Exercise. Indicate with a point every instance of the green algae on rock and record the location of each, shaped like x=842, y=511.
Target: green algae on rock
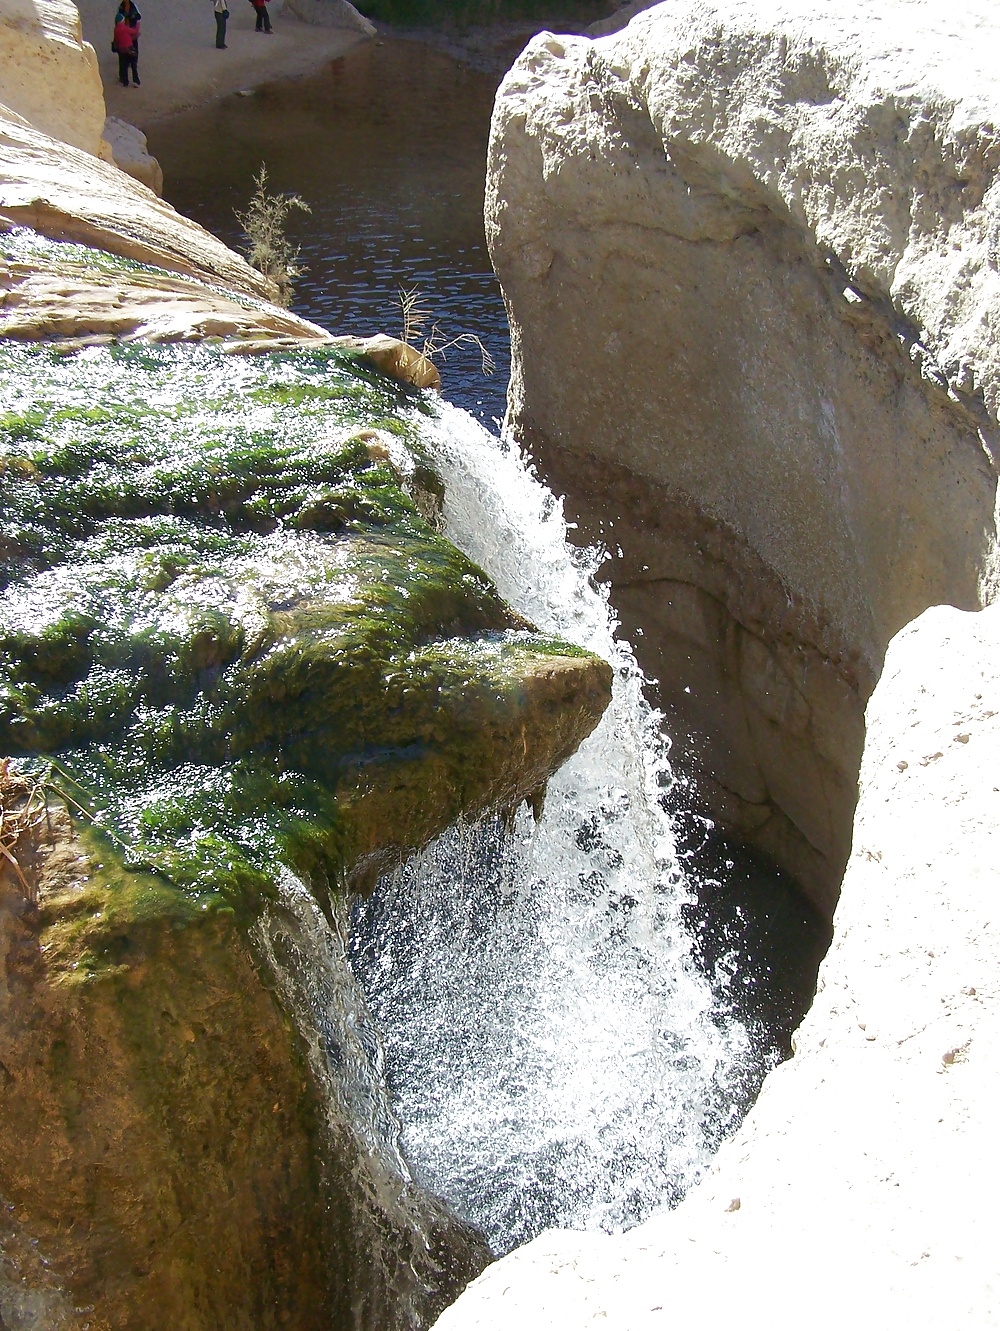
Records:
x=225, y=616
x=168, y=1159
x=232, y=637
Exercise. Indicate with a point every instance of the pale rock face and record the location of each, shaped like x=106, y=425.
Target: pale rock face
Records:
x=48, y=74
x=749, y=253
x=861, y=1189
x=745, y=215
x=130, y=154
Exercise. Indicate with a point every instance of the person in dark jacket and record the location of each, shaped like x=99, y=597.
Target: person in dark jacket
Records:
x=263, y=17
x=221, y=15
x=126, y=42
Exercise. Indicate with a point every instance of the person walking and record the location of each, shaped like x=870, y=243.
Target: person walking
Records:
x=263, y=17
x=221, y=15
x=126, y=42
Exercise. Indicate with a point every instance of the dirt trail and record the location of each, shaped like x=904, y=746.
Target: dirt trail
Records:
x=179, y=65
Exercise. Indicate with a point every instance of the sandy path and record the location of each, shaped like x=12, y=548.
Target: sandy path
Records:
x=179, y=65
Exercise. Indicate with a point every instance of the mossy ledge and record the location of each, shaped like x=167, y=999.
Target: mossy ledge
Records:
x=229, y=643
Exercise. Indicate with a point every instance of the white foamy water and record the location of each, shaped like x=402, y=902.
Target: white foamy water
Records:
x=400, y=1257
x=551, y=1049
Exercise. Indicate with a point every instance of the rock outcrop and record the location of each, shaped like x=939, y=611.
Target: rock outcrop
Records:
x=750, y=261
x=48, y=73
x=234, y=647
x=221, y=580
x=862, y=1185
x=332, y=14
x=131, y=153
x=749, y=254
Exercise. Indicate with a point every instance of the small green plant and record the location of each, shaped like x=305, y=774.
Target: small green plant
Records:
x=268, y=248
x=416, y=318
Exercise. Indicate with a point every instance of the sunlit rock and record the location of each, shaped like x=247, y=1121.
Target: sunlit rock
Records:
x=870, y=1152
x=48, y=73
x=775, y=226
x=332, y=14
x=128, y=148
x=749, y=255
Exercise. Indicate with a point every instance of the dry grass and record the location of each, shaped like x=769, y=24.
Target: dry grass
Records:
x=23, y=807
x=415, y=320
x=268, y=248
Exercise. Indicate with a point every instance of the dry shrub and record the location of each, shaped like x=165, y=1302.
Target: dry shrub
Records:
x=416, y=318
x=268, y=248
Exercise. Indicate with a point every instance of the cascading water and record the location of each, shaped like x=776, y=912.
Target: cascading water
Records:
x=554, y=1054
x=403, y=1250
x=514, y=1022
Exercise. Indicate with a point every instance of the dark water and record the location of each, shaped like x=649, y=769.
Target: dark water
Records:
x=388, y=147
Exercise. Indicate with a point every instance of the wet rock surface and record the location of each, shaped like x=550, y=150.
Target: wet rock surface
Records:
x=234, y=646
x=237, y=655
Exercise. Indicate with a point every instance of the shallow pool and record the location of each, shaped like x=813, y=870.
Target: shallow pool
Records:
x=388, y=147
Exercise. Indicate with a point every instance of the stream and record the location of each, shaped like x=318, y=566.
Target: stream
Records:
x=560, y=1020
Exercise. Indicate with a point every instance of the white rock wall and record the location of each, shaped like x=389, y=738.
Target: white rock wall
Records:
x=749, y=256
x=861, y=1190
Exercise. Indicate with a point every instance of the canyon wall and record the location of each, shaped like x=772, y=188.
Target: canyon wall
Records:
x=751, y=261
x=749, y=255
x=860, y=1190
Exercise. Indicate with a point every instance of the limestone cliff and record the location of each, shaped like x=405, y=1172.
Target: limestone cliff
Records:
x=749, y=253
x=750, y=262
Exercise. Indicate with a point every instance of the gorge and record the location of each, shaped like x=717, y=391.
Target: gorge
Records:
x=275, y=1052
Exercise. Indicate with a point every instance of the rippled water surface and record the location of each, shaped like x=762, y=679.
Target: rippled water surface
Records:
x=388, y=147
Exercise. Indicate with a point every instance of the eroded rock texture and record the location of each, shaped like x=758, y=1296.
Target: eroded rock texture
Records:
x=749, y=255
x=48, y=74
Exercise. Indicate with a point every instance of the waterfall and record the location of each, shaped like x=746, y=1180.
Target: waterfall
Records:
x=402, y=1257
x=553, y=1054
x=514, y=1022
x=526, y=1034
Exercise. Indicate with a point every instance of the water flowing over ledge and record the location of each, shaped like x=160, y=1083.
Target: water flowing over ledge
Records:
x=555, y=1054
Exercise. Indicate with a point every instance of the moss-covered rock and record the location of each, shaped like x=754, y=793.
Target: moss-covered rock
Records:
x=164, y=1158
x=231, y=640
x=229, y=623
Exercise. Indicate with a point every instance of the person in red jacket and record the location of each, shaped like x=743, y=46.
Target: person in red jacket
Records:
x=263, y=17
x=126, y=42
